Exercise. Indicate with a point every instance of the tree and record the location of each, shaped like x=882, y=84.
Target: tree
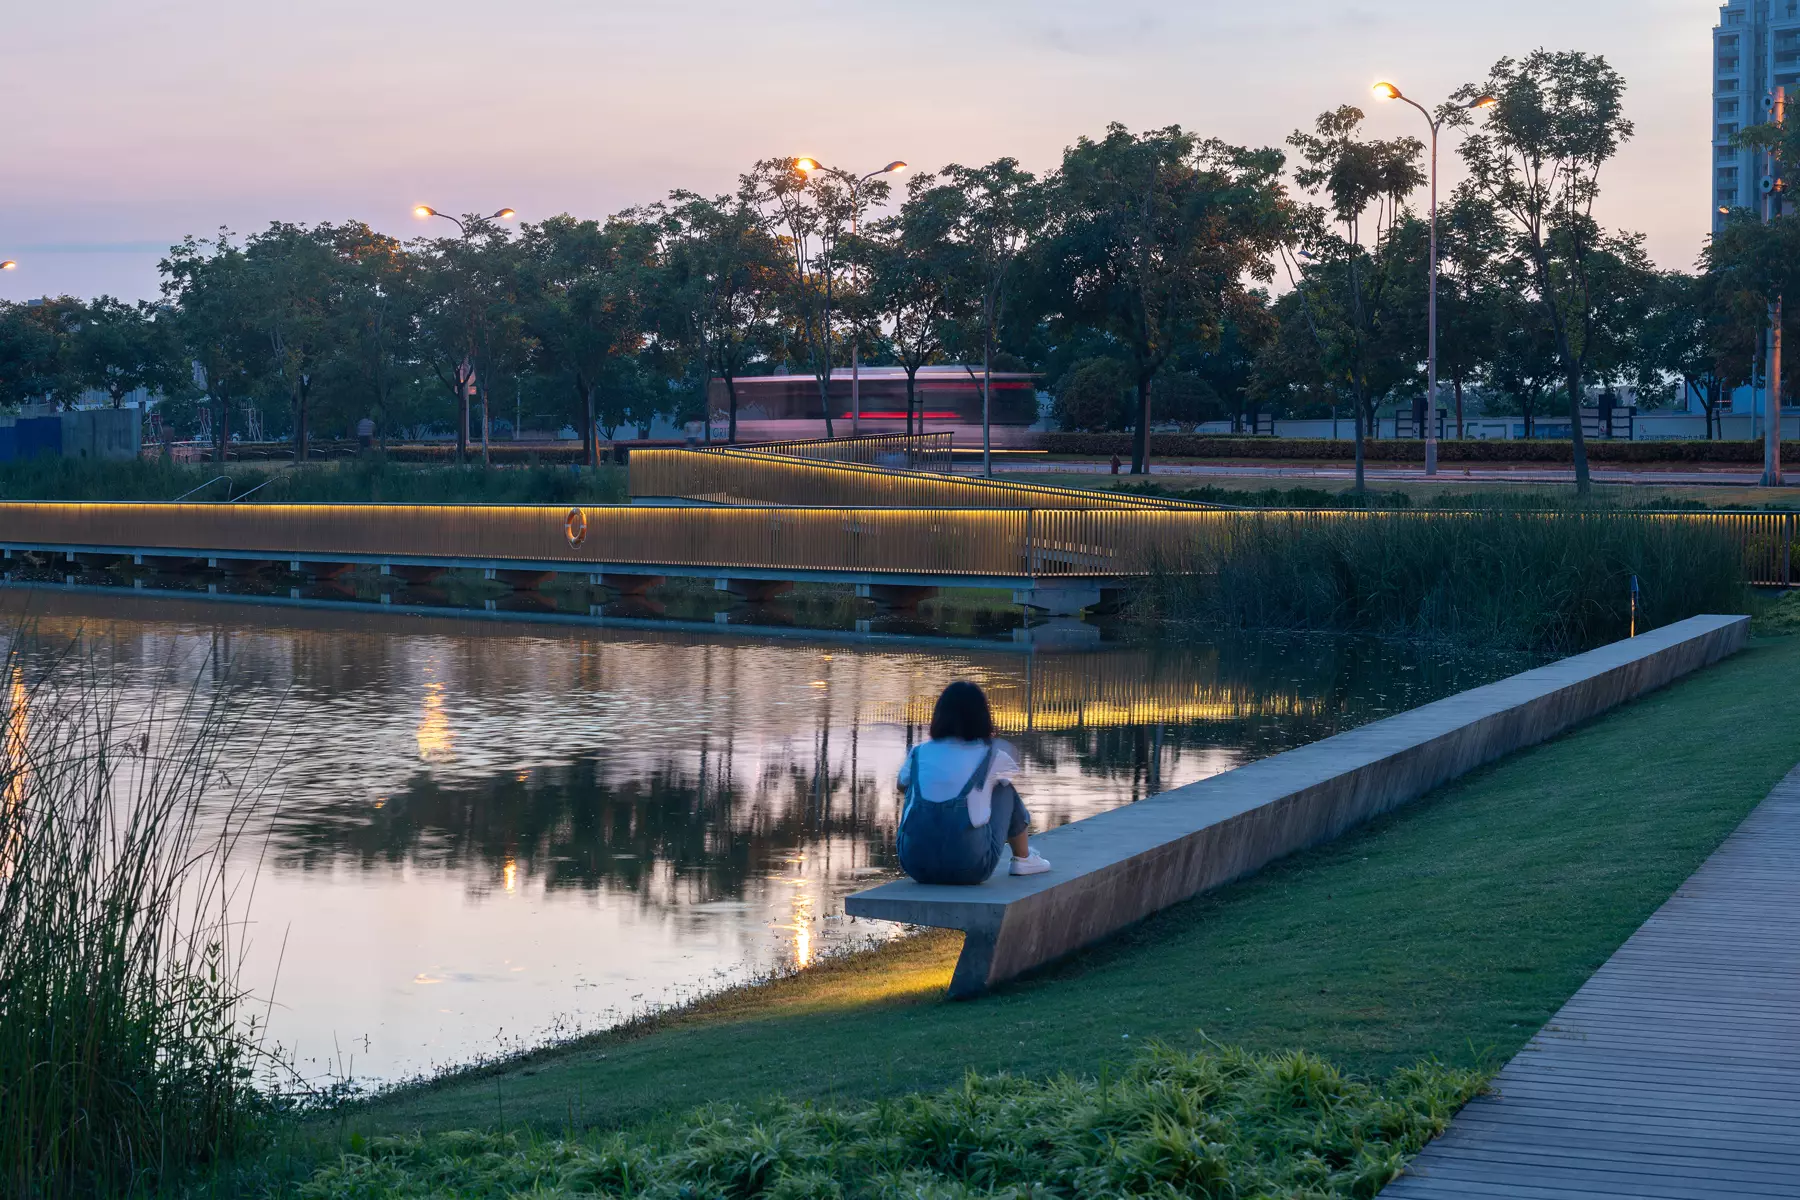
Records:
x=1362, y=262
x=809, y=214
x=209, y=283
x=470, y=318
x=1694, y=334
x=1154, y=239
x=1756, y=267
x=1472, y=244
x=1095, y=394
x=374, y=321
x=1559, y=118
x=915, y=267
x=295, y=283
x=35, y=357
x=583, y=302
x=118, y=348
x=993, y=213
x=718, y=289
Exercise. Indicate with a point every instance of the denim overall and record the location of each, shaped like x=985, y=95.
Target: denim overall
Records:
x=937, y=843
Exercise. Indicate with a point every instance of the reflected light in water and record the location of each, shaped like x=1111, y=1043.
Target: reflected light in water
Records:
x=436, y=742
x=13, y=736
x=509, y=875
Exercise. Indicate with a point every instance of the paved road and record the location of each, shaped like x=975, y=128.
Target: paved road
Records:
x=1672, y=1073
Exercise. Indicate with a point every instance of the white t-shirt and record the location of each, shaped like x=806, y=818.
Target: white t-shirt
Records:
x=945, y=764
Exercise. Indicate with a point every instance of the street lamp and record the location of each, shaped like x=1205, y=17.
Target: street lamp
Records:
x=1388, y=91
x=425, y=212
x=9, y=265
x=807, y=166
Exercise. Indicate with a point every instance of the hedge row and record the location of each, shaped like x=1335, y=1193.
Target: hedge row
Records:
x=1193, y=445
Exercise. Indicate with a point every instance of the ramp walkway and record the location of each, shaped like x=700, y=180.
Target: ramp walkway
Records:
x=1671, y=1074
x=1116, y=868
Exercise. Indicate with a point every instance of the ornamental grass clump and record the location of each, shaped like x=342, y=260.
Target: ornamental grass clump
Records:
x=123, y=1059
x=1551, y=582
x=1222, y=1123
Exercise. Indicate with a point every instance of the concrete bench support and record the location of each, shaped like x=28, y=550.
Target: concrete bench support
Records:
x=1114, y=869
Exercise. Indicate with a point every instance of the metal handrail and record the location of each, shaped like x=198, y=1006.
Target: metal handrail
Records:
x=259, y=487
x=202, y=488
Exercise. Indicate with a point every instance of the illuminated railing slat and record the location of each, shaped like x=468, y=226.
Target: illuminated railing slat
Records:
x=998, y=543
x=747, y=475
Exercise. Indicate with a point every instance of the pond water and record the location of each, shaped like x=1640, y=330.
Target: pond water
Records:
x=493, y=832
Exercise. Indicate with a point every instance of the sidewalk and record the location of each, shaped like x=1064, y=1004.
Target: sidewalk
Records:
x=1447, y=474
x=1671, y=1073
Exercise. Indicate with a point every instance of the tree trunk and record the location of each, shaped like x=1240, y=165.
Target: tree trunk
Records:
x=731, y=408
x=911, y=376
x=462, y=417
x=987, y=392
x=1457, y=384
x=1577, y=443
x=590, y=451
x=300, y=430
x=1357, y=426
x=1140, y=442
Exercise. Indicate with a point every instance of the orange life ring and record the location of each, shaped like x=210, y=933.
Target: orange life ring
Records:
x=575, y=526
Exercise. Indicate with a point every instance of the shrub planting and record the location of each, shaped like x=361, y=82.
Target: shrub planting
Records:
x=364, y=481
x=1405, y=450
x=1222, y=1122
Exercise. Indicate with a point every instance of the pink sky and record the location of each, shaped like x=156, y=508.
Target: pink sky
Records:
x=133, y=122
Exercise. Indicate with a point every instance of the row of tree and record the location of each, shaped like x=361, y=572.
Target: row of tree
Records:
x=1139, y=278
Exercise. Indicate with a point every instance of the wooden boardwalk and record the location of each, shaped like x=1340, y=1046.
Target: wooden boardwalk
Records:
x=1676, y=1071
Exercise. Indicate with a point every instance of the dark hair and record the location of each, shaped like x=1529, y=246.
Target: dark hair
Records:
x=962, y=712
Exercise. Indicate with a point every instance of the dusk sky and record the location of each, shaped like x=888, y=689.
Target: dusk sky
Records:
x=132, y=123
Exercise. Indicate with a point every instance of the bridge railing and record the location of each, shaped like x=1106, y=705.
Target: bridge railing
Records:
x=993, y=543
x=900, y=451
x=743, y=476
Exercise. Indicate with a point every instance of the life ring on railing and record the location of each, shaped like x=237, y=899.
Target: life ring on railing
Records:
x=575, y=527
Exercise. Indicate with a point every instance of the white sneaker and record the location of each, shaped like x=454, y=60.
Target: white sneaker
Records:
x=1032, y=864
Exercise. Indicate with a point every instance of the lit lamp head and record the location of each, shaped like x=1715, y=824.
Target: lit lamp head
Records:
x=806, y=166
x=1484, y=102
x=423, y=211
x=9, y=265
x=1387, y=91
x=505, y=214
x=893, y=168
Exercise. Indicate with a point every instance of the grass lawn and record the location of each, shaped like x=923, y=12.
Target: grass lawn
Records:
x=1452, y=929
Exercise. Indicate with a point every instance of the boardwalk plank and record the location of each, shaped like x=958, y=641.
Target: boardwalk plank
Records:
x=1669, y=1075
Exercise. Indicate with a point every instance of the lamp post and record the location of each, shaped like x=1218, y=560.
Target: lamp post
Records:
x=1771, y=208
x=810, y=165
x=425, y=212
x=1388, y=91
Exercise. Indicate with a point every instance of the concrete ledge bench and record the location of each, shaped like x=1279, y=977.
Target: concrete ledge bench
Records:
x=1116, y=868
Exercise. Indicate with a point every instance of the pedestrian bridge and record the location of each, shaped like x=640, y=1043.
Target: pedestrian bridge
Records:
x=754, y=522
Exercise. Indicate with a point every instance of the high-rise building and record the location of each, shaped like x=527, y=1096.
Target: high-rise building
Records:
x=1756, y=49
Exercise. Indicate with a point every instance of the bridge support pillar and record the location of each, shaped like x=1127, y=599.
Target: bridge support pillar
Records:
x=626, y=585
x=753, y=589
x=1060, y=600
x=894, y=595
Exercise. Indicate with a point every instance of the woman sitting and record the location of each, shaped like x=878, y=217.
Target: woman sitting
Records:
x=961, y=807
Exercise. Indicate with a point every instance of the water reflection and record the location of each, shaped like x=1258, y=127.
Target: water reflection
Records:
x=489, y=830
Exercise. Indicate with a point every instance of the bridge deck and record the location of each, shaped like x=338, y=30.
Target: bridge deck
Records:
x=1671, y=1073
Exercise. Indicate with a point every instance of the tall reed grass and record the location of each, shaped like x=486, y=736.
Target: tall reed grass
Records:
x=125, y=1054
x=1548, y=582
